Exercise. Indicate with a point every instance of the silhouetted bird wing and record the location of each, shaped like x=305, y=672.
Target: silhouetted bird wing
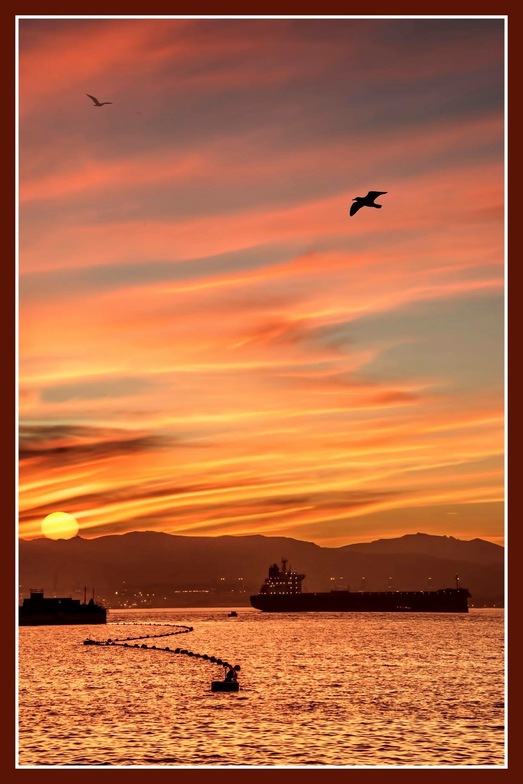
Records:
x=375, y=194
x=96, y=101
x=355, y=206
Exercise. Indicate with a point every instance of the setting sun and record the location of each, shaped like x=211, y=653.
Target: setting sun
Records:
x=59, y=525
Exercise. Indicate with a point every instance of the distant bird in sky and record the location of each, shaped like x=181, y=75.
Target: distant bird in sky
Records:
x=366, y=201
x=96, y=101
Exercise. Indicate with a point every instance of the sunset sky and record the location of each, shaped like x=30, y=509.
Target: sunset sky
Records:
x=208, y=343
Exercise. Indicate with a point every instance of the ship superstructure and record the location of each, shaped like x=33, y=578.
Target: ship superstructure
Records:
x=282, y=582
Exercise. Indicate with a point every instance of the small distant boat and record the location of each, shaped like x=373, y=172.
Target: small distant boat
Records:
x=38, y=610
x=233, y=614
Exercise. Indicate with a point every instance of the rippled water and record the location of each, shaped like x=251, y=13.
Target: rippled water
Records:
x=344, y=690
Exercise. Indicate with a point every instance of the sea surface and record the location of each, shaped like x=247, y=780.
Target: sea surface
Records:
x=361, y=690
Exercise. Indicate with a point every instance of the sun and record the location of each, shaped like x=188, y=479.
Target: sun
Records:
x=59, y=525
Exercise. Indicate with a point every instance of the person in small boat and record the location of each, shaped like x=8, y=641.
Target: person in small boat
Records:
x=231, y=675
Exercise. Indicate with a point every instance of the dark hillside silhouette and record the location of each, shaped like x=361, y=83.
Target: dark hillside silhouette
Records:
x=207, y=571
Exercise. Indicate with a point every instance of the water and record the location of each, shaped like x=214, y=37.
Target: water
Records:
x=317, y=690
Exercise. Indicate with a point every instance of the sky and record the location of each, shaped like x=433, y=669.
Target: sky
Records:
x=208, y=343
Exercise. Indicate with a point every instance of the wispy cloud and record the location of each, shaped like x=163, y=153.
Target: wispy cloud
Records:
x=63, y=444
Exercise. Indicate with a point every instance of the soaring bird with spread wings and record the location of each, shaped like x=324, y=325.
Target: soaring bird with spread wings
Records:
x=366, y=201
x=96, y=101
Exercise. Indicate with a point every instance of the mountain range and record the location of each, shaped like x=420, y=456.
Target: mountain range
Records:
x=146, y=568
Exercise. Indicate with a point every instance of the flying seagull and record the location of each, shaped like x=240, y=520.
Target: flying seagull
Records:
x=96, y=101
x=366, y=201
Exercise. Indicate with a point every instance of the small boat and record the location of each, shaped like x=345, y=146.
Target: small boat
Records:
x=225, y=686
x=230, y=681
x=233, y=614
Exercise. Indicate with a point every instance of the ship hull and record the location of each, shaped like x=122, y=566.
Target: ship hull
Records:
x=445, y=600
x=56, y=611
x=57, y=619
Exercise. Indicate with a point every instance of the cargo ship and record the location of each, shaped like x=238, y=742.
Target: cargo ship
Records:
x=281, y=592
x=40, y=611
